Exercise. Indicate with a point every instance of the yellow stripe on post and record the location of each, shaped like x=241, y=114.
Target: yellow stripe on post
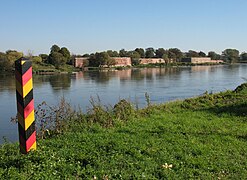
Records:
x=28, y=121
x=27, y=87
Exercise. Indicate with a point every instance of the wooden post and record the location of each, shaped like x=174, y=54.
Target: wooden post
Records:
x=25, y=105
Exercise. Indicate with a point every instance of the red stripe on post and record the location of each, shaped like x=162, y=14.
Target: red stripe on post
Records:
x=27, y=76
x=28, y=109
x=27, y=144
x=31, y=141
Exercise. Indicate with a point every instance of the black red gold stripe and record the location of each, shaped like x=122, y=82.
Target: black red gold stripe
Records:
x=25, y=105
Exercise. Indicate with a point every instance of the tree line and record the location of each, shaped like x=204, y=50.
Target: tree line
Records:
x=61, y=56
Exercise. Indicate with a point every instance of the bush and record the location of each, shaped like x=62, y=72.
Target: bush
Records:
x=123, y=110
x=241, y=88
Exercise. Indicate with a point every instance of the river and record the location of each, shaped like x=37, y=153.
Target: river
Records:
x=162, y=84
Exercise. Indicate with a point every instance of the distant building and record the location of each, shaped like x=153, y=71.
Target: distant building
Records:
x=79, y=62
x=151, y=60
x=122, y=61
x=200, y=60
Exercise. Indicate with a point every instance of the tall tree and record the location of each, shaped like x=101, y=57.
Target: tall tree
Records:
x=192, y=53
x=149, y=53
x=101, y=58
x=66, y=54
x=175, y=52
x=172, y=55
x=202, y=54
x=59, y=56
x=123, y=53
x=57, y=59
x=160, y=52
x=213, y=55
x=231, y=55
x=55, y=48
x=141, y=52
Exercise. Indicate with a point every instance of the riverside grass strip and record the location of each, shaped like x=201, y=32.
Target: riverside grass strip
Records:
x=25, y=105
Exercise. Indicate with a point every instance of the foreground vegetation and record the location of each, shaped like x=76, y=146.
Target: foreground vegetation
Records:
x=199, y=138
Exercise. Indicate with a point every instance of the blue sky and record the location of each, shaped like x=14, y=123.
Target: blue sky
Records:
x=85, y=26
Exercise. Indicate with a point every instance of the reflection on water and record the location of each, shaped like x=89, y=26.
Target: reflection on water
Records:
x=58, y=82
x=7, y=82
x=162, y=84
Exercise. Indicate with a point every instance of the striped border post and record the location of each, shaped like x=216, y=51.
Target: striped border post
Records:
x=25, y=105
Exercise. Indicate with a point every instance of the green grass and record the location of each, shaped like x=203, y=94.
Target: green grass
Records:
x=200, y=138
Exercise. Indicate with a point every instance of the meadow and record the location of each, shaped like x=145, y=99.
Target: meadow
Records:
x=198, y=138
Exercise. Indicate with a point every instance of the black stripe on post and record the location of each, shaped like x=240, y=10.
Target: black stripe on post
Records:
x=26, y=134
x=23, y=68
x=24, y=101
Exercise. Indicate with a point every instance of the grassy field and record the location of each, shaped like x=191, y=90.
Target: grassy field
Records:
x=198, y=138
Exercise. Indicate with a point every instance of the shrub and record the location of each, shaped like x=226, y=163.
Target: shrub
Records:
x=241, y=88
x=123, y=110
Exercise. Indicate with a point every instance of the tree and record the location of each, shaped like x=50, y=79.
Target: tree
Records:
x=110, y=62
x=12, y=56
x=58, y=56
x=192, y=53
x=243, y=56
x=123, y=53
x=171, y=55
x=85, y=55
x=36, y=59
x=66, y=54
x=166, y=58
x=101, y=58
x=202, y=54
x=92, y=60
x=55, y=48
x=44, y=58
x=112, y=53
x=141, y=52
x=149, y=53
x=160, y=52
x=134, y=55
x=57, y=59
x=85, y=62
x=175, y=53
x=213, y=55
x=231, y=55
x=5, y=64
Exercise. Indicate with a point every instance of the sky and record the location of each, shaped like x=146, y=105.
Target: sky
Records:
x=86, y=26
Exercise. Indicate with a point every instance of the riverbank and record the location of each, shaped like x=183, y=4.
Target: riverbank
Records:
x=202, y=137
x=47, y=69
